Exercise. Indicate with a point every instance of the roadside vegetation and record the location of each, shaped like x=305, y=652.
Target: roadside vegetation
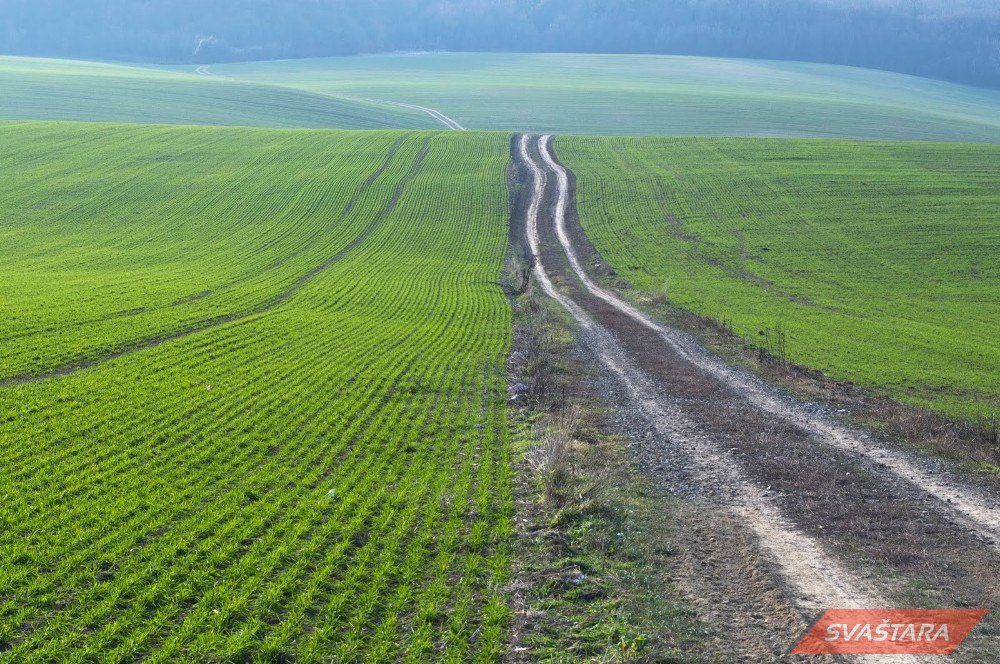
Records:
x=595, y=552
x=322, y=473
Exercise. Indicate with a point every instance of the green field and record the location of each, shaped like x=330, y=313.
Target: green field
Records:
x=578, y=94
x=39, y=89
x=878, y=259
x=291, y=441
x=252, y=378
x=665, y=95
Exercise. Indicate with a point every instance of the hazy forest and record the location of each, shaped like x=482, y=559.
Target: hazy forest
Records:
x=909, y=36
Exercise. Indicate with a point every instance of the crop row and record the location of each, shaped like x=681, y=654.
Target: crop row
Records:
x=325, y=478
x=110, y=255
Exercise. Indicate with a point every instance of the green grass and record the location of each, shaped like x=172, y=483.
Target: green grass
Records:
x=656, y=95
x=596, y=540
x=877, y=259
x=39, y=89
x=601, y=571
x=579, y=94
x=322, y=471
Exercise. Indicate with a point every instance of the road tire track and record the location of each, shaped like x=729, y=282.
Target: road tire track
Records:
x=448, y=122
x=814, y=579
x=977, y=512
x=437, y=115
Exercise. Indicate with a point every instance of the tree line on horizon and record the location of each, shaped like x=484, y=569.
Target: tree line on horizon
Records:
x=955, y=40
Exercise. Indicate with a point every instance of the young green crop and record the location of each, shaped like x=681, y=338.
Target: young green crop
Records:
x=320, y=469
x=650, y=94
x=152, y=232
x=44, y=89
x=540, y=92
x=877, y=259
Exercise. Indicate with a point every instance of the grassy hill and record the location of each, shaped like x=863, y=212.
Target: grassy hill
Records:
x=578, y=94
x=665, y=95
x=39, y=89
x=253, y=379
x=291, y=440
x=876, y=259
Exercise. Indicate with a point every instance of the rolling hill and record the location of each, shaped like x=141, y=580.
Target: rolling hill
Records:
x=254, y=403
x=577, y=94
x=651, y=95
x=40, y=89
x=258, y=382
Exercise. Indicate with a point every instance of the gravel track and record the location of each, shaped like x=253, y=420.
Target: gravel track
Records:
x=978, y=512
x=831, y=516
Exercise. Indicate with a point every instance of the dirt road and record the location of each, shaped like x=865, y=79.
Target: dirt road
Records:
x=437, y=115
x=203, y=70
x=836, y=518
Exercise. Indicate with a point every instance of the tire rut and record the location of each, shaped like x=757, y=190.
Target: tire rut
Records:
x=977, y=511
x=776, y=474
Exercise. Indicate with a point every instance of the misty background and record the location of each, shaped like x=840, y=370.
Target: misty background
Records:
x=955, y=40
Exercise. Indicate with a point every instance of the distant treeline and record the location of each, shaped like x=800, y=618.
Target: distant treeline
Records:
x=957, y=40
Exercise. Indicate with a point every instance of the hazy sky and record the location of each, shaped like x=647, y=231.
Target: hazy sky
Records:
x=926, y=7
